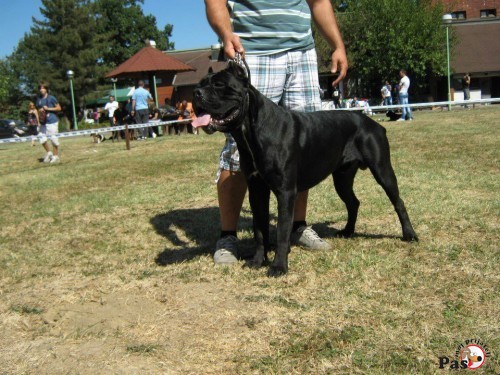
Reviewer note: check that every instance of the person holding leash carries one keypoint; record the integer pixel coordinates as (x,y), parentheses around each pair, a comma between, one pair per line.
(275,38)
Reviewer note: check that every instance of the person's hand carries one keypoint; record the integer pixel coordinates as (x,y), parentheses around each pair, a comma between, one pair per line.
(232,44)
(339,63)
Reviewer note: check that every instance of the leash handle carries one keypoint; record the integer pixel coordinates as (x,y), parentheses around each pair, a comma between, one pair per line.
(238,59)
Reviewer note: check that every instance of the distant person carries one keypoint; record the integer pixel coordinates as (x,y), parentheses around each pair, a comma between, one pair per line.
(140,108)
(466,88)
(336,96)
(404,85)
(395,92)
(48,106)
(154,116)
(96,116)
(354,102)
(186,112)
(386,93)
(33,121)
(111,107)
(119,119)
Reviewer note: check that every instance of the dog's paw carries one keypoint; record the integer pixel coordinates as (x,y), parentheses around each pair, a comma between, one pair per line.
(254,264)
(344,233)
(277,271)
(410,237)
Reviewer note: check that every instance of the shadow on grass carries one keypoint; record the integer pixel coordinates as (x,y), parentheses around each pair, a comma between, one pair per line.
(200,226)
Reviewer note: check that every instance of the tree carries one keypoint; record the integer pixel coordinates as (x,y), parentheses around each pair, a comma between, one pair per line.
(385,36)
(11,99)
(167,32)
(63,40)
(125,27)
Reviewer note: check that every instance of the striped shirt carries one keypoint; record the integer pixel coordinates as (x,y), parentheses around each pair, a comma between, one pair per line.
(267,27)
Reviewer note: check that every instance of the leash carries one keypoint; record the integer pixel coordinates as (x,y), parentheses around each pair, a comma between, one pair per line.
(238,59)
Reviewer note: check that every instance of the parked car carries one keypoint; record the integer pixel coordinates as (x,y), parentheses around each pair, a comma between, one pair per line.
(12,128)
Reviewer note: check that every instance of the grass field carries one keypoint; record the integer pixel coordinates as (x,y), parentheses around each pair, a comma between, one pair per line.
(106,264)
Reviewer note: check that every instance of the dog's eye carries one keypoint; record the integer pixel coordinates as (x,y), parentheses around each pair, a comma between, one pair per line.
(218,85)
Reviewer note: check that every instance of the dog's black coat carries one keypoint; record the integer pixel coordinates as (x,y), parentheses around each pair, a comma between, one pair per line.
(287,152)
(393,116)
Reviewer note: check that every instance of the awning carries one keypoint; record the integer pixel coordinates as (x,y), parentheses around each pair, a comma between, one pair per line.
(122,95)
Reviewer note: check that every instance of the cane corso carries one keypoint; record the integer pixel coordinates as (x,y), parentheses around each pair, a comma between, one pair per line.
(287,152)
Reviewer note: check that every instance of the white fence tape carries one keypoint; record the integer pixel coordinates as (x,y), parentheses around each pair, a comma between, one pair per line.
(329,105)
(76,133)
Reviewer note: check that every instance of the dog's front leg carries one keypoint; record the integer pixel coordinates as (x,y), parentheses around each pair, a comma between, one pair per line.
(259,194)
(286,203)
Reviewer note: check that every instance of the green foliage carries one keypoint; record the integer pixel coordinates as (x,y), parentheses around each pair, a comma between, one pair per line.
(11,99)
(63,40)
(384,36)
(126,28)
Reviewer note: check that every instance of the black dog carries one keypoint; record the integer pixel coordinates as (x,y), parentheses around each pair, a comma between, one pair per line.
(393,116)
(288,152)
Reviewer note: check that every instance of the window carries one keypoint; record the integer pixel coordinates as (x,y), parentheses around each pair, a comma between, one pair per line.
(461,15)
(486,13)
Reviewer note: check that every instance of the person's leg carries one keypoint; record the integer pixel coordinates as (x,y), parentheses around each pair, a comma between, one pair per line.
(231,190)
(300,210)
(142,118)
(301,93)
(52,131)
(408,109)
(403,107)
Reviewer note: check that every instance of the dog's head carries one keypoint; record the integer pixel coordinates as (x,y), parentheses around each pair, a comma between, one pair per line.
(220,100)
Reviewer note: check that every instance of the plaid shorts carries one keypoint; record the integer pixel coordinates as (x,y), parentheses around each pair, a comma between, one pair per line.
(289,79)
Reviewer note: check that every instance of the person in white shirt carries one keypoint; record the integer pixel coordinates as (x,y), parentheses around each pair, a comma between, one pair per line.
(404,85)
(111,107)
(386,93)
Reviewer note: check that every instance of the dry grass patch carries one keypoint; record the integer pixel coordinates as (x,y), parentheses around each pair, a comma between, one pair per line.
(106,267)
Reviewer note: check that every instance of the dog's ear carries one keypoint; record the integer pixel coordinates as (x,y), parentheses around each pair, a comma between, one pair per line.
(238,71)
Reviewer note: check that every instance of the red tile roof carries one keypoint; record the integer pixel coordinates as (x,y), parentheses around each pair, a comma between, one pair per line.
(149,59)
(198,59)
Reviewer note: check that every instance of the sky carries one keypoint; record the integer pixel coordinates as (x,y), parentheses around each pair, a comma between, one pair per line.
(191,29)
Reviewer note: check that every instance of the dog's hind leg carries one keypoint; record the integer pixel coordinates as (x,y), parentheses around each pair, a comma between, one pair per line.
(259,194)
(344,181)
(384,174)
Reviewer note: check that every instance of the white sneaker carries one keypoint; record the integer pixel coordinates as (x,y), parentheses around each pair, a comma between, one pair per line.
(54,159)
(47,157)
(225,250)
(401,119)
(306,237)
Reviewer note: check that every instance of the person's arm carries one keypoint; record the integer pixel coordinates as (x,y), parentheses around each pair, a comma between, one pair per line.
(133,106)
(324,18)
(55,108)
(219,20)
(37,118)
